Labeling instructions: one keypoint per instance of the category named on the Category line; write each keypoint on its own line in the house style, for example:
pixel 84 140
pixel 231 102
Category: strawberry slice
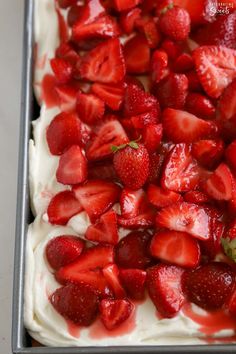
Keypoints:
pixel 103 170
pixel 62 250
pixel 208 152
pixel 74 14
pixel 196 197
pixel 112 95
pixel 63 132
pixel 109 133
pixel 183 127
pixel 227 102
pixel 164 283
pixel 77 303
pixel 90 108
pixel 97 196
pixel 105 63
pixel 72 168
pixel 200 106
pixel 134 281
pixel 181 172
pixel 176 247
pixel 216 68
pixel 213 247
pixel 137 55
pixel 105 230
pixel 62 69
pixel 62 207
pixel 67 95
pixel 140 121
pixel 230 154
pixel 184 63
pixel 148 27
pixel 67 52
pixel 155 166
pixel 128 19
pixel 232 303
pixel 111 273
pixel 115 312
pixel 152 136
pixel 162 197
pixel 185 217
pixel 122 5
pixel 159 65
pixel 220 184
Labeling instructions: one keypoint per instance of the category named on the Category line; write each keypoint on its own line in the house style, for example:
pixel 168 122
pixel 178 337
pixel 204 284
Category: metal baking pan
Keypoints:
pixel 21 342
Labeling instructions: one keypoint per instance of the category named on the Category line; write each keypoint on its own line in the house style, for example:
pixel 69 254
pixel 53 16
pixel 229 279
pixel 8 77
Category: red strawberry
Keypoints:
pixel 140 121
pixel 62 69
pixel 175 23
pixel 196 197
pixel 131 164
pixel 148 27
pixel 200 11
pixel 114 312
pixel 230 154
pixel 216 68
pixel 232 303
pixel 200 105
pixel 181 126
pixel 66 3
pixel 152 136
pixel 132 251
pixel 128 19
pixel 220 184
pixel 77 303
pixel 173 49
pixel 72 168
pixel 97 196
pixel 165 288
pixel 227 102
pixel 74 14
pixel 133 281
pixel 212 247
pixel 111 273
pixel 155 163
pixel 172 91
pixel 159 65
pixel 63 132
pixel 208 152
pixel 62 207
pixel 105 63
pixel 105 230
pixel 112 95
pixel 67 95
pixel 103 170
pixel 62 250
pixel 185 217
pixel 109 133
pixel 181 172
pixel 210 285
pixel 193 81
pixel 184 63
pixel 176 247
pixel 67 52
pixel 137 55
pixel 90 108
pixel 122 5
pixel 162 197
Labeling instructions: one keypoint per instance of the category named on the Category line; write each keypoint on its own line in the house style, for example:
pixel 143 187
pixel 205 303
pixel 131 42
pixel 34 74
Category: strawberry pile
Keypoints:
pixel 147 91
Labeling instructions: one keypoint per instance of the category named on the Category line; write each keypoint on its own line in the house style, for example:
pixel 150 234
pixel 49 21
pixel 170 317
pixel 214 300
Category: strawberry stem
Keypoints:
pixel 133 144
pixel 168 7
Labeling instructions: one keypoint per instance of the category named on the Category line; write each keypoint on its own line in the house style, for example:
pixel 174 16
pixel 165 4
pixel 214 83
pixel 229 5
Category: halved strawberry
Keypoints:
pixel 122 5
pixel 164 283
pixel 181 172
pixel 67 97
pixel 103 170
pixel 134 281
pixel 105 230
pixel 173 49
pixel 176 247
pixel 196 197
pixel 181 126
pixel 152 136
pixel 216 68
pixel 185 217
pixel 97 196
pixel 105 63
pixel 155 167
pixel 128 19
pixel 74 14
pixel 227 102
pixel 208 152
pixel 109 133
pixel 111 273
pixel 213 247
pixel 148 26
pixel 90 108
pixel 62 69
pixel 184 63
pixel 140 121
pixel 159 65
pixel 162 197
pixel 72 168
pixel 67 52
pixel 220 184
pixel 230 154
pixel 112 95
pixel 137 55
pixel 193 81
pixel 62 250
pixel 231 305
pixel 62 207
pixel 114 312
pixel 200 105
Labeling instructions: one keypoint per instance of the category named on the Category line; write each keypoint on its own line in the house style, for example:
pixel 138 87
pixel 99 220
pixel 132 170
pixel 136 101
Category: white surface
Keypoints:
pixel 11 24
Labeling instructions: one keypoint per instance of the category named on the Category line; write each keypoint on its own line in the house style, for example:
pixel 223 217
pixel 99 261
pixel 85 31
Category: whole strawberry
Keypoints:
pixel 131 162
pixel 175 23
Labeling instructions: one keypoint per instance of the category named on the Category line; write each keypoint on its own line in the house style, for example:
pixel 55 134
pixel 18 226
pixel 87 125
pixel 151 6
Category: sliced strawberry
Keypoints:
pixel 181 126
pixel 216 68
pixel 63 132
pixel 181 172
pixel 97 196
pixel 108 133
pixel 90 108
pixel 66 3
pixel 152 136
pixel 140 121
pixel 193 81
pixel 74 14
pixel 200 11
pixel 122 5
pixel 77 303
pixel 128 19
pixel 137 55
pixel 232 303
pixel 134 281
pixel 66 51
pixel 72 168
pixel 132 251
pixel 200 105
pixel 208 152
pixel 196 197
pixel 155 166
pixel 104 170
pixel 144 220
pixel 111 273
pixel 112 95
pixel 212 247
pixel 184 63
pixel 162 197
pixel 230 154
pixel 105 63
pixel 67 97
pixel 227 102
pixel 114 312
pixel 173 49
pixel 62 69
pixel 148 27
pixel 185 217
pixel 105 230
pixel 62 207
pixel 176 247
pixel 62 250
pixel 165 288
pixel 220 184
pixel 159 65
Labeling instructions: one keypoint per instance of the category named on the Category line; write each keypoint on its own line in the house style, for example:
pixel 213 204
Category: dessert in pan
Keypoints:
pixel 132 174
